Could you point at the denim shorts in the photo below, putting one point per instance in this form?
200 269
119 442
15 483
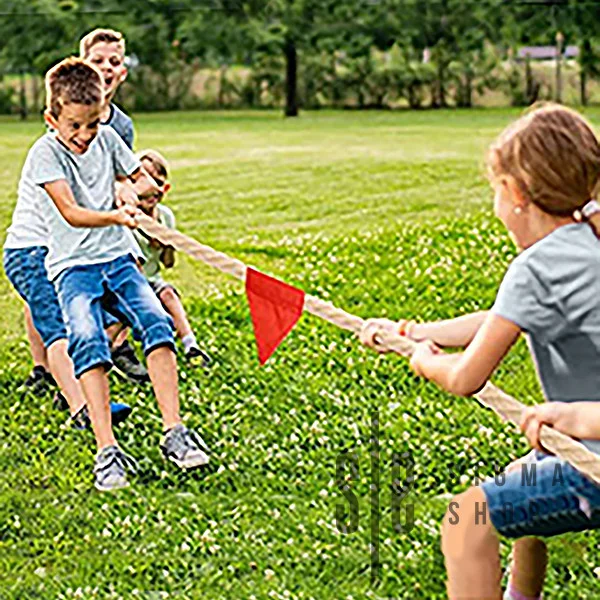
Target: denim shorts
26 270
120 287
546 496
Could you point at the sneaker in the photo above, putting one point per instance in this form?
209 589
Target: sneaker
60 402
184 447
111 467
128 364
118 413
38 382
193 353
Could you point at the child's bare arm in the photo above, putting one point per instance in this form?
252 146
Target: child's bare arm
76 216
578 419
465 373
451 333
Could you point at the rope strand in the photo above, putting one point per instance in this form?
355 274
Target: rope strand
490 396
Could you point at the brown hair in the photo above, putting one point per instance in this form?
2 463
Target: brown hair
157 160
108 36
553 155
73 81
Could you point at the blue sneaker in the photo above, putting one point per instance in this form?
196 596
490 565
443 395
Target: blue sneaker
118 413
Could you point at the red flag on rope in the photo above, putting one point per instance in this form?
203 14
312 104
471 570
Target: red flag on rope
275 308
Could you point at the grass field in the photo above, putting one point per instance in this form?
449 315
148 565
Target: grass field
381 213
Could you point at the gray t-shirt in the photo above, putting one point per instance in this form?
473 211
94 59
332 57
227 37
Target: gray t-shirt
122 124
28 227
91 177
552 292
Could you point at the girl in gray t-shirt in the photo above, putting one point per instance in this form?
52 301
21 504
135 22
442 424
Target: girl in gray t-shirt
544 169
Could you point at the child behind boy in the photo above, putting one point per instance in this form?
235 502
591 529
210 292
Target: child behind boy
91 265
104 48
156 253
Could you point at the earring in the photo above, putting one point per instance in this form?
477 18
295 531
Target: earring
517 210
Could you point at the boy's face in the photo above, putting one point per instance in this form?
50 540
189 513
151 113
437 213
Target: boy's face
110 59
76 126
148 204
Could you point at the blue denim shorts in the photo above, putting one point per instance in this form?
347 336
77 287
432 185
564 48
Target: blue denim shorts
120 287
26 270
546 496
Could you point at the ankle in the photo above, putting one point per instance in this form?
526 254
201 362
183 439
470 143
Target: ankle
188 341
513 594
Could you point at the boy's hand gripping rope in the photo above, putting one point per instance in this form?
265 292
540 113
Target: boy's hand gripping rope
506 406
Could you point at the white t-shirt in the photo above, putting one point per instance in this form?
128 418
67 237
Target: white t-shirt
91 177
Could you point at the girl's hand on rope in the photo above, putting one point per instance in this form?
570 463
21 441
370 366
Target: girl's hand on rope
423 351
533 417
374 327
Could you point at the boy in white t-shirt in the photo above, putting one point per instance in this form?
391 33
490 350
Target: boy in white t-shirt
91 264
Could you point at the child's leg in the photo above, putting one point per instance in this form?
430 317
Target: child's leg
529 555
36 345
80 291
528 571
170 300
95 387
132 297
162 367
26 271
61 368
471 549
120 338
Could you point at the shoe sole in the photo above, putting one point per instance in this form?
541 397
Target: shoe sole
113 488
201 461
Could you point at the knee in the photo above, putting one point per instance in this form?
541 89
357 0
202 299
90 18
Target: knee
467 527
81 321
167 296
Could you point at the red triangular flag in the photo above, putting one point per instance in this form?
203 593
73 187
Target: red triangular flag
275 308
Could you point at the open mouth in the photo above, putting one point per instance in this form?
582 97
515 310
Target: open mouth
108 81
82 147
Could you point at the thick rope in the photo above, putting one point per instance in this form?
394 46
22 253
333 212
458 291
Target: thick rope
490 396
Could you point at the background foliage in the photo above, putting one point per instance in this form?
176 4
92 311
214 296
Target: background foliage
309 53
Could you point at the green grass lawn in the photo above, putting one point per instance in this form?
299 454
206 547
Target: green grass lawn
381 213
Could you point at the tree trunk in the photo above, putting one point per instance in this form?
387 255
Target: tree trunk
528 81
291 78
584 58
442 87
221 94
582 87
36 93
22 96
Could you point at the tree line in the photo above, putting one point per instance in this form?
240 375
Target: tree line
307 53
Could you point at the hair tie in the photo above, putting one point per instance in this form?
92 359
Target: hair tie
590 208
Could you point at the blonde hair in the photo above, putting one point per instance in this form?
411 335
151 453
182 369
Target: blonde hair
98 36
73 81
157 160
553 155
